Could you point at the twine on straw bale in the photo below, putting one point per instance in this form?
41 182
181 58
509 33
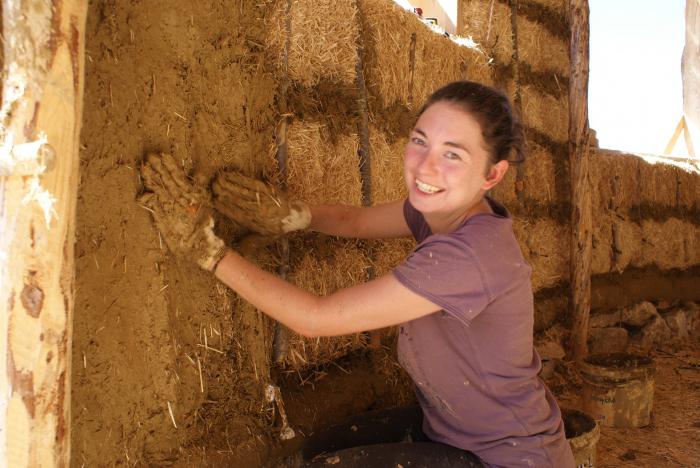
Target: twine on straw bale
323 266
323 40
387 167
545 113
540 49
322 170
489 23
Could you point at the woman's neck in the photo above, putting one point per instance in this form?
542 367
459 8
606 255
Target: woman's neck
441 224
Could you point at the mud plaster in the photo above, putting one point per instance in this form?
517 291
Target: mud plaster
190 79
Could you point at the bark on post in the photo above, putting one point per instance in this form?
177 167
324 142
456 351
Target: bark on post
580 183
39 137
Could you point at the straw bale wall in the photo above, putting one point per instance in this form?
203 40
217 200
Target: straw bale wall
296 61
647 213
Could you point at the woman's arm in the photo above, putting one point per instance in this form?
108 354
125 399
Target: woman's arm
376 304
375 222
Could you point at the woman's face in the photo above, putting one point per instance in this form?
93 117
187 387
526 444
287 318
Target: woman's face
445 163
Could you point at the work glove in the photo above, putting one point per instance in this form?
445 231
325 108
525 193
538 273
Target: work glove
181 211
257 206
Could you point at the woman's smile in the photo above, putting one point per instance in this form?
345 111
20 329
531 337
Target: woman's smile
427 188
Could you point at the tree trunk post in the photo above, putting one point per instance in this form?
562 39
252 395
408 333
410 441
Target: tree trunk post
40 123
580 182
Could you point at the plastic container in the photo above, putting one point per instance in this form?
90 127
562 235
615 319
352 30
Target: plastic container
582 433
618 389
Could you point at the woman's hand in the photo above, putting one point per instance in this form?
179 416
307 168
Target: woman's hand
181 211
258 206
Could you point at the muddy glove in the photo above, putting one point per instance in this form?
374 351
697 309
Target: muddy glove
181 211
258 206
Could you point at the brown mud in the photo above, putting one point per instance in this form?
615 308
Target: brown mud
162 355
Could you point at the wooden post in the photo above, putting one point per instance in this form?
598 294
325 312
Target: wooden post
39 136
580 183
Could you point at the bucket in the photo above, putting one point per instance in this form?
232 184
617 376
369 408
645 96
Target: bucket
582 433
618 389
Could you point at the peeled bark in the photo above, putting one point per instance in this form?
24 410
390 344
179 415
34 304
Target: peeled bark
39 137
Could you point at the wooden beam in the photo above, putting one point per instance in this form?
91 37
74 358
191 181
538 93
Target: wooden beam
580 183
40 124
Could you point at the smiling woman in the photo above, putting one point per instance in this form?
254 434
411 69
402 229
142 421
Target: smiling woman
465 314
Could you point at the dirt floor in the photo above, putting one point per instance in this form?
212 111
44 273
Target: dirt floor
673 437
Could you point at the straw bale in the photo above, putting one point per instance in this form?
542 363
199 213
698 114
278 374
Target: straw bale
388 253
539 175
599 185
615 177
657 184
440 60
387 167
504 192
322 42
602 244
627 244
489 24
540 49
323 169
668 244
560 6
547 244
689 190
323 265
545 113
387 32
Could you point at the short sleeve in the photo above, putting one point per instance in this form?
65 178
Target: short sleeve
415 221
444 270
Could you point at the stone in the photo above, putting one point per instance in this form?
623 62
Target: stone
639 314
607 340
550 344
677 321
692 318
605 320
653 334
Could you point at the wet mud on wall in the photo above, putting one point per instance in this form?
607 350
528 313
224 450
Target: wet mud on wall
156 342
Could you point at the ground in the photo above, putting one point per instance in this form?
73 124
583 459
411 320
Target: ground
673 437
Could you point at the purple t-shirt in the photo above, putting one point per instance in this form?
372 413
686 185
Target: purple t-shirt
474 363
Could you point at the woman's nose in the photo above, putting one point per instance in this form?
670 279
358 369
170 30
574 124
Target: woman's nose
428 164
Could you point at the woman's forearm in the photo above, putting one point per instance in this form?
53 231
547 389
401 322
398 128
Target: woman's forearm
379 221
335 220
284 302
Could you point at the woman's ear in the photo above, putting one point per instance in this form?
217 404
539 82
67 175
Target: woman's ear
495 174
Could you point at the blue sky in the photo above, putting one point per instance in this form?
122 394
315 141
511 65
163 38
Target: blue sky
635 88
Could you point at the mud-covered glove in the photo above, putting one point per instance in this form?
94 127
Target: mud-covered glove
181 211
258 206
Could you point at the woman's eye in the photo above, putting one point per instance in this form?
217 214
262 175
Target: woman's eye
451 155
418 141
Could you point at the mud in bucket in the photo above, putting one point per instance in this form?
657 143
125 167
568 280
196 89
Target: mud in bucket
618 389
582 433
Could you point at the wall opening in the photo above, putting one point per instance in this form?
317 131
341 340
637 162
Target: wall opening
635 89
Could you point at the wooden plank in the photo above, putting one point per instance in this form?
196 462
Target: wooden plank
674 138
581 228
44 49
